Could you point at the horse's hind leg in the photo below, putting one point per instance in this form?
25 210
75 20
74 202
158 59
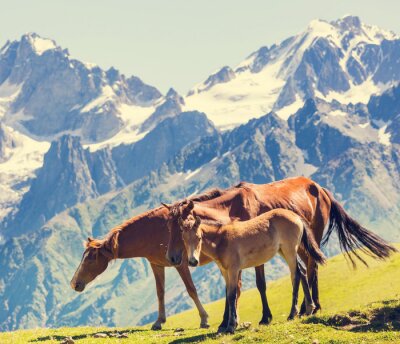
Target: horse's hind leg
159 275
291 258
261 286
184 272
312 276
309 304
313 281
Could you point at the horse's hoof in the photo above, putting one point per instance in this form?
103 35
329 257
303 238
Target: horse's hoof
230 329
221 329
204 325
266 320
310 310
156 327
316 309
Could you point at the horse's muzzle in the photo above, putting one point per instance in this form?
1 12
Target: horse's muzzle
193 262
78 286
174 259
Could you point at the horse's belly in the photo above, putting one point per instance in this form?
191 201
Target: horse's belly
254 255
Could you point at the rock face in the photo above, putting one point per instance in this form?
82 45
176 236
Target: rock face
63 181
324 125
160 144
7 143
170 107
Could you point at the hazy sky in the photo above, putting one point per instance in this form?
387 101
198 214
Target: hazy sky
176 42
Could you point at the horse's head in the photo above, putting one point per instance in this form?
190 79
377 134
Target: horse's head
94 261
182 210
192 237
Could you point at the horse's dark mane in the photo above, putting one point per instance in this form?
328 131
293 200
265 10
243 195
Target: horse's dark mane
211 194
110 242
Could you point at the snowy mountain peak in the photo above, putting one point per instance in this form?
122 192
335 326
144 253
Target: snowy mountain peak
172 93
344 60
38 44
223 75
354 24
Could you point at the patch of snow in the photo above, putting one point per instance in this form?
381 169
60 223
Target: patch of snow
307 170
384 138
247 96
338 113
107 93
9 91
364 125
21 165
132 116
356 94
352 128
41 45
289 110
192 174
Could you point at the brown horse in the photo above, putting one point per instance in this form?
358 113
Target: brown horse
146 236
300 195
244 244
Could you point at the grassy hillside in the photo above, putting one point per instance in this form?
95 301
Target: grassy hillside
359 306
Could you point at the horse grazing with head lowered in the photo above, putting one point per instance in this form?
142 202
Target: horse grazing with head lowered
145 236
301 195
244 244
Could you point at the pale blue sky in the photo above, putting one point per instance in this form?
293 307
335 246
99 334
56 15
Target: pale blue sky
176 42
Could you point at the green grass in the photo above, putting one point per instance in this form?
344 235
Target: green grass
359 306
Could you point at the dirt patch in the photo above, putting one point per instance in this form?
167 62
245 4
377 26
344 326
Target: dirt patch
384 318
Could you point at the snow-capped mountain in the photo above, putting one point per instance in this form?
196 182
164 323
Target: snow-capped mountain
344 60
82 149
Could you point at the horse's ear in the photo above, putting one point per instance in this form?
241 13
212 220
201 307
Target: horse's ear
89 239
190 206
198 221
168 206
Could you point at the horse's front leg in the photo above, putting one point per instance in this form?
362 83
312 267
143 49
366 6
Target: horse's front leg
159 275
222 327
232 279
262 289
225 319
184 272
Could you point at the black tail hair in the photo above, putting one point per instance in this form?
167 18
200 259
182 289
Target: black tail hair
310 245
353 236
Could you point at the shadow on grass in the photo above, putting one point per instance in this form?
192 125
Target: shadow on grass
196 339
385 318
238 336
84 335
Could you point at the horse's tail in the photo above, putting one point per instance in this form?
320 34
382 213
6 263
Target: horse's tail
310 245
353 236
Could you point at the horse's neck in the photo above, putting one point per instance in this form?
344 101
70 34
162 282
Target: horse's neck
211 240
207 211
142 238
